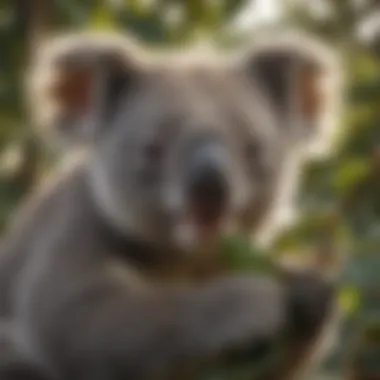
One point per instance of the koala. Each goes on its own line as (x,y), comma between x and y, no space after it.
(111,270)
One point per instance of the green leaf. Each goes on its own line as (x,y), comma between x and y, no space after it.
(240,254)
(349,299)
(351,173)
(141,8)
(102,19)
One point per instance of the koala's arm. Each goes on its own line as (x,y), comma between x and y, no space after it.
(92,325)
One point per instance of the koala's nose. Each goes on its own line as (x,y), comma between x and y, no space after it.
(208,185)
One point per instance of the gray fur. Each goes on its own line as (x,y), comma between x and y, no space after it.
(96,274)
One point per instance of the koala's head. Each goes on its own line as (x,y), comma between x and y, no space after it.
(183,147)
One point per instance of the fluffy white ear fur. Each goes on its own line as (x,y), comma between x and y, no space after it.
(60,75)
(331,86)
(325,82)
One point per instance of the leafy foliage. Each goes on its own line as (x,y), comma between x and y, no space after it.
(340,197)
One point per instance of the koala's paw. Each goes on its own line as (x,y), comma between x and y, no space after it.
(245,317)
(311,301)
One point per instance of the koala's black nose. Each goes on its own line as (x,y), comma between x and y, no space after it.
(207,183)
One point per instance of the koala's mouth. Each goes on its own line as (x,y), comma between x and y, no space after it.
(206,215)
(201,224)
(204,222)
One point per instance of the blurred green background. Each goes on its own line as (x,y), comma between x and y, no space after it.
(340,197)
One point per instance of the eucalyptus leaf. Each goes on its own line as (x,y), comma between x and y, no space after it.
(239,254)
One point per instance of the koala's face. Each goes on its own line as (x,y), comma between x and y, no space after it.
(185,153)
(189,156)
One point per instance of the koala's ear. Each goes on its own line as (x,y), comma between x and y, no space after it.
(77,81)
(301,79)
